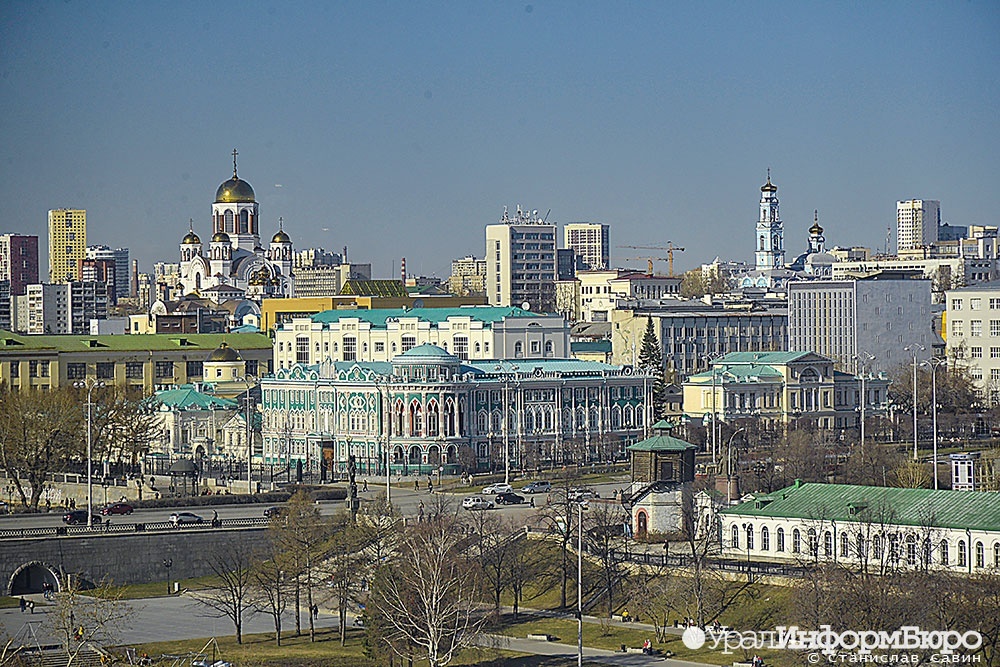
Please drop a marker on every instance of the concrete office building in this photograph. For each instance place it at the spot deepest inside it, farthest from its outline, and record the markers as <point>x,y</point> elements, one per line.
<point>863,325</point>
<point>521,261</point>
<point>591,241</point>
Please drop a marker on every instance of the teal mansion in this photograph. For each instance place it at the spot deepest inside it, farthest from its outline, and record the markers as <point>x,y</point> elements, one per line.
<point>427,410</point>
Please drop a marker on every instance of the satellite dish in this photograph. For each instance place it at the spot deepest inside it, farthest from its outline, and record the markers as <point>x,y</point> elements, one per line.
<point>525,306</point>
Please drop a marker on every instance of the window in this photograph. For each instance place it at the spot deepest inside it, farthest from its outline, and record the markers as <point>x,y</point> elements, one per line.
<point>995,327</point>
<point>956,328</point>
<point>796,541</point>
<point>961,553</point>
<point>408,343</point>
<point>749,537</point>
<point>975,304</point>
<point>994,304</point>
<point>535,347</point>
<point>995,353</point>
<point>460,346</point>
<point>980,555</point>
<point>781,540</point>
<point>844,545</point>
<point>956,304</point>
<point>15,369</point>
<point>813,542</point>
<point>976,352</point>
<point>76,371</point>
<point>828,544</point>
<point>133,370</point>
<point>736,536</point>
<point>350,348</point>
<point>105,370</point>
<point>193,369</point>
<point>976,328</point>
<point>518,350</point>
<point>302,350</point>
<point>911,550</point>
<point>765,539</point>
<point>164,369</point>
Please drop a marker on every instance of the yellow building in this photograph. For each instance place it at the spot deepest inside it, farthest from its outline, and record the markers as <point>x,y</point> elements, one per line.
<point>67,243</point>
<point>147,362</point>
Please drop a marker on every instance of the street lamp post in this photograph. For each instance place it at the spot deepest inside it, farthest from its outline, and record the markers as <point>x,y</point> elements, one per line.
<point>249,380</point>
<point>167,564</point>
<point>90,384</point>
<point>729,464</point>
<point>709,358</point>
<point>865,358</point>
<point>933,365</point>
<point>506,420</point>
<point>579,583</point>
<point>914,347</point>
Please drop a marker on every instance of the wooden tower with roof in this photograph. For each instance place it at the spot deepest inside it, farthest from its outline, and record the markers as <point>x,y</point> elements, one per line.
<point>659,500</point>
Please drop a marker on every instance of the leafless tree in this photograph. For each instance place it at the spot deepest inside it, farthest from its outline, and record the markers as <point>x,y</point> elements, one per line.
<point>344,563</point>
<point>559,516</point>
<point>233,564</point>
<point>80,620</point>
<point>604,529</point>
<point>428,599</point>
<point>272,584</point>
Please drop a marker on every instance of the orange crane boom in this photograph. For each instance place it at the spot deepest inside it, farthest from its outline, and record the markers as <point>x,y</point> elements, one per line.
<point>670,248</point>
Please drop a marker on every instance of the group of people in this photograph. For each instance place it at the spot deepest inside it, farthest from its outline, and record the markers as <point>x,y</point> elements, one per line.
<point>27,604</point>
<point>757,661</point>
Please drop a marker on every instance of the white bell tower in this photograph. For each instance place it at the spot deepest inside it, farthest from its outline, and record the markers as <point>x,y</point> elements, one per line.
<point>770,237</point>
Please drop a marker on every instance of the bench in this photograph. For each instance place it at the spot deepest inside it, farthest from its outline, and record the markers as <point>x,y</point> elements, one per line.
<point>541,638</point>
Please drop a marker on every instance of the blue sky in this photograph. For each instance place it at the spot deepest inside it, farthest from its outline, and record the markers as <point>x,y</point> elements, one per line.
<point>402,128</point>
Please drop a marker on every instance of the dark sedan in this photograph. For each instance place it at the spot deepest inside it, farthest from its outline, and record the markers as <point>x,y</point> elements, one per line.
<point>117,508</point>
<point>509,499</point>
<point>75,517</point>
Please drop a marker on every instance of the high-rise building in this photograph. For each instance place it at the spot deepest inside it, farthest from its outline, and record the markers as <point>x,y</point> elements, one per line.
<point>120,281</point>
<point>521,261</point>
<point>100,271</point>
<point>468,276</point>
<point>19,261</point>
<point>864,325</point>
<point>592,243</point>
<point>67,243</point>
<point>917,222</point>
<point>65,307</point>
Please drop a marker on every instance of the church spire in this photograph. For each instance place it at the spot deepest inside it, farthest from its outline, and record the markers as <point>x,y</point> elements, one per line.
<point>235,153</point>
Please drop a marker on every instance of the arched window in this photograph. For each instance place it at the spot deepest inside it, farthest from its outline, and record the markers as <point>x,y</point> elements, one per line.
<point>911,550</point>
<point>781,540</point>
<point>996,554</point>
<point>416,418</point>
<point>736,536</point>
<point>813,542</point>
<point>482,421</point>
<point>796,541</point>
<point>962,555</point>
<point>549,349</point>
<point>244,222</point>
<point>765,539</point>
<point>828,544</point>
<point>749,528</point>
<point>229,227</point>
<point>943,552</point>
<point>518,350</point>
<point>877,547</point>
<point>845,545</point>
<point>860,546</point>
<point>433,418</point>
<point>980,555</point>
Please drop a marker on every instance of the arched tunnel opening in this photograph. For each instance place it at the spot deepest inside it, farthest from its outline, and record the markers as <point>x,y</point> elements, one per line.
<point>30,577</point>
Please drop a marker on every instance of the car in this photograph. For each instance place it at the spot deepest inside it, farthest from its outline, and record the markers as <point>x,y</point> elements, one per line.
<point>509,499</point>
<point>477,503</point>
<point>581,494</point>
<point>75,517</point>
<point>177,518</point>
<point>117,508</point>
<point>272,511</point>
<point>499,487</point>
<point>537,487</point>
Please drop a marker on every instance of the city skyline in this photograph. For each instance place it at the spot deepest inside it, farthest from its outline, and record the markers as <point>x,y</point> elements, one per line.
<point>419,123</point>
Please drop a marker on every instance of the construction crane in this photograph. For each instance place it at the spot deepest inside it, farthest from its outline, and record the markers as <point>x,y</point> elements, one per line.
<point>670,248</point>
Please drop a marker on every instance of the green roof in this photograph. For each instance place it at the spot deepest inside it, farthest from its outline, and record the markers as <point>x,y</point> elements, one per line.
<point>974,510</point>
<point>737,373</point>
<point>590,346</point>
<point>379,316</point>
<point>135,342</point>
<point>760,357</point>
<point>661,442</point>
<point>528,366</point>
<point>383,288</point>
<point>186,398</point>
<point>428,350</point>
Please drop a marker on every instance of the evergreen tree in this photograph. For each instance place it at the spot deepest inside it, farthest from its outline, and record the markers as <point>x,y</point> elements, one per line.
<point>651,360</point>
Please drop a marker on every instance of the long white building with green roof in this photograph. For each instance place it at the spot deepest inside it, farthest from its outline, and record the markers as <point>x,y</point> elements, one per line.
<point>469,332</point>
<point>871,527</point>
<point>428,409</point>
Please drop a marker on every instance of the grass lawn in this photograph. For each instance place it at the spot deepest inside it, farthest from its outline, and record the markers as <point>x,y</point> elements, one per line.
<point>326,651</point>
<point>8,602</point>
<point>158,589</point>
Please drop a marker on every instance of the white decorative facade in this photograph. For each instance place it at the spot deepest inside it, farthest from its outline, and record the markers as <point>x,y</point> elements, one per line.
<point>235,258</point>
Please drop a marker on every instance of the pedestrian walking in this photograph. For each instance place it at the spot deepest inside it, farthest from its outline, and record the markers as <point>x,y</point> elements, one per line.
<point>430,486</point>
<point>416,485</point>
<point>31,606</point>
<point>24,605</point>
<point>364,486</point>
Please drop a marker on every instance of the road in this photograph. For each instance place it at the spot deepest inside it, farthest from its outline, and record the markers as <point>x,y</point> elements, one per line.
<point>404,498</point>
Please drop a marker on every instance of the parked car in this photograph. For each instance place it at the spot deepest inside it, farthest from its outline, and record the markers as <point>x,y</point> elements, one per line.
<point>477,503</point>
<point>117,508</point>
<point>509,499</point>
<point>75,517</point>
<point>580,494</point>
<point>537,487</point>
<point>499,487</point>
<point>272,511</point>
<point>177,518</point>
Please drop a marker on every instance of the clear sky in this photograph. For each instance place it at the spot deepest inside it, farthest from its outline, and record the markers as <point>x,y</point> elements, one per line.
<point>402,128</point>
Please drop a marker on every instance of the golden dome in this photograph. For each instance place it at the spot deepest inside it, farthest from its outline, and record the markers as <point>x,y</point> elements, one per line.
<point>191,239</point>
<point>224,353</point>
<point>281,237</point>
<point>221,237</point>
<point>234,190</point>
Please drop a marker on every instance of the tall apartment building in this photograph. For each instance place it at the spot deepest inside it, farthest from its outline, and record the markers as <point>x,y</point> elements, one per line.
<point>592,243</point>
<point>917,222</point>
<point>66,307</point>
<point>6,305</point>
<point>18,261</point>
<point>100,271</point>
<point>122,278</point>
<point>327,280</point>
<point>864,325</point>
<point>521,261</point>
<point>468,276</point>
<point>67,243</point>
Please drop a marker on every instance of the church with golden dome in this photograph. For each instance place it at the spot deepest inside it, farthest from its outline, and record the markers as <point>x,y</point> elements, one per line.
<point>236,265</point>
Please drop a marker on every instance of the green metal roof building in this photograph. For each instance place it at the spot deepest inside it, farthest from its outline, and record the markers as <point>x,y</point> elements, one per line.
<point>855,525</point>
